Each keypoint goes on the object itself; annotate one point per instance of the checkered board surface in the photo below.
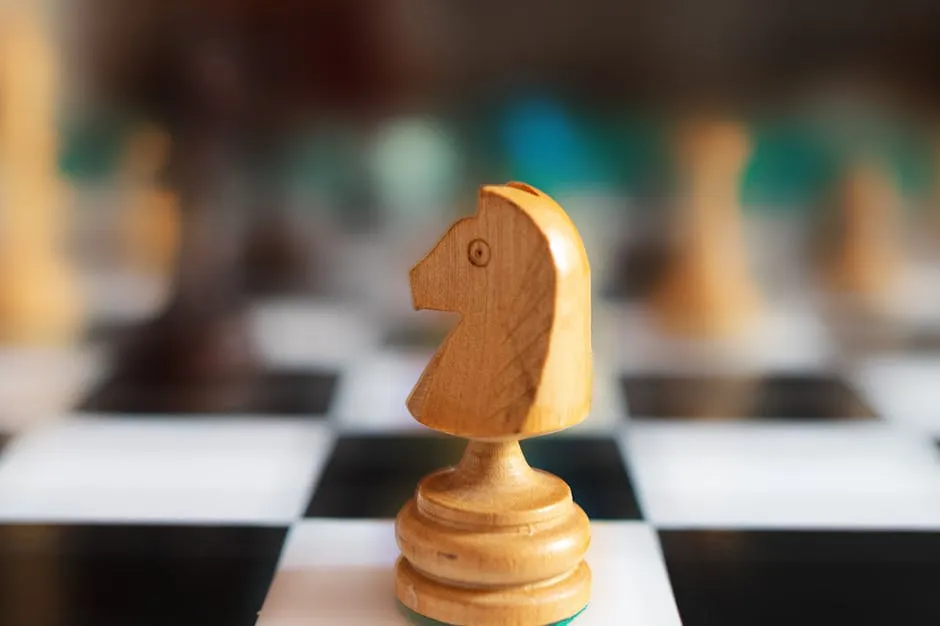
(798, 488)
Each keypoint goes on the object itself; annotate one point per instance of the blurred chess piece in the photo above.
(865, 263)
(277, 255)
(40, 301)
(707, 290)
(278, 248)
(151, 210)
(198, 354)
(492, 541)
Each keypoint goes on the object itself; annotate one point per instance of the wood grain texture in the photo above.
(493, 541)
(708, 291)
(39, 298)
(866, 263)
(519, 362)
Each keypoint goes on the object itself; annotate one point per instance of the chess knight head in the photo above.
(519, 362)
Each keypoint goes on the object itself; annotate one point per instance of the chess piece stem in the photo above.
(493, 541)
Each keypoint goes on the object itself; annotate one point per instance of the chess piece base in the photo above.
(493, 541)
(539, 605)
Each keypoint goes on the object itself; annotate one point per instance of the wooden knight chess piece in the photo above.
(493, 541)
(40, 302)
(707, 291)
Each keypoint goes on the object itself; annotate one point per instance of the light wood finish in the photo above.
(866, 262)
(39, 300)
(519, 362)
(493, 541)
(708, 291)
(151, 214)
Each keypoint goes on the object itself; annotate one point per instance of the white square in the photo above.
(783, 475)
(372, 394)
(41, 385)
(162, 470)
(302, 332)
(340, 572)
(787, 336)
(904, 390)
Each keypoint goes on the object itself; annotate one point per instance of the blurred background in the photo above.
(208, 208)
(163, 163)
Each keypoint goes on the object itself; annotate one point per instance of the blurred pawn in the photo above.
(707, 291)
(39, 296)
(865, 263)
(415, 165)
(151, 221)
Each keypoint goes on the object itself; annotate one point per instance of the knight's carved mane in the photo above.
(488, 378)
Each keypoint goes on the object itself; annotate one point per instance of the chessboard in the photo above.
(800, 486)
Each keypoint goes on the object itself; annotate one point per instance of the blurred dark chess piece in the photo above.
(197, 355)
(639, 263)
(277, 255)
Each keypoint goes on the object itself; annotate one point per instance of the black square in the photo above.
(594, 469)
(87, 575)
(277, 392)
(783, 578)
(809, 397)
(373, 476)
(297, 392)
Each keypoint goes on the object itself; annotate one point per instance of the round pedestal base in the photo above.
(553, 602)
(420, 620)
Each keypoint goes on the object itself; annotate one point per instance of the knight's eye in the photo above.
(479, 252)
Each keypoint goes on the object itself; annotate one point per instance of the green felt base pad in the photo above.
(420, 620)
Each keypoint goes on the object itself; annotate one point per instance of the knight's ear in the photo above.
(525, 187)
(495, 197)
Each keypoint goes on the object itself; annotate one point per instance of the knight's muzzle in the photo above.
(419, 286)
